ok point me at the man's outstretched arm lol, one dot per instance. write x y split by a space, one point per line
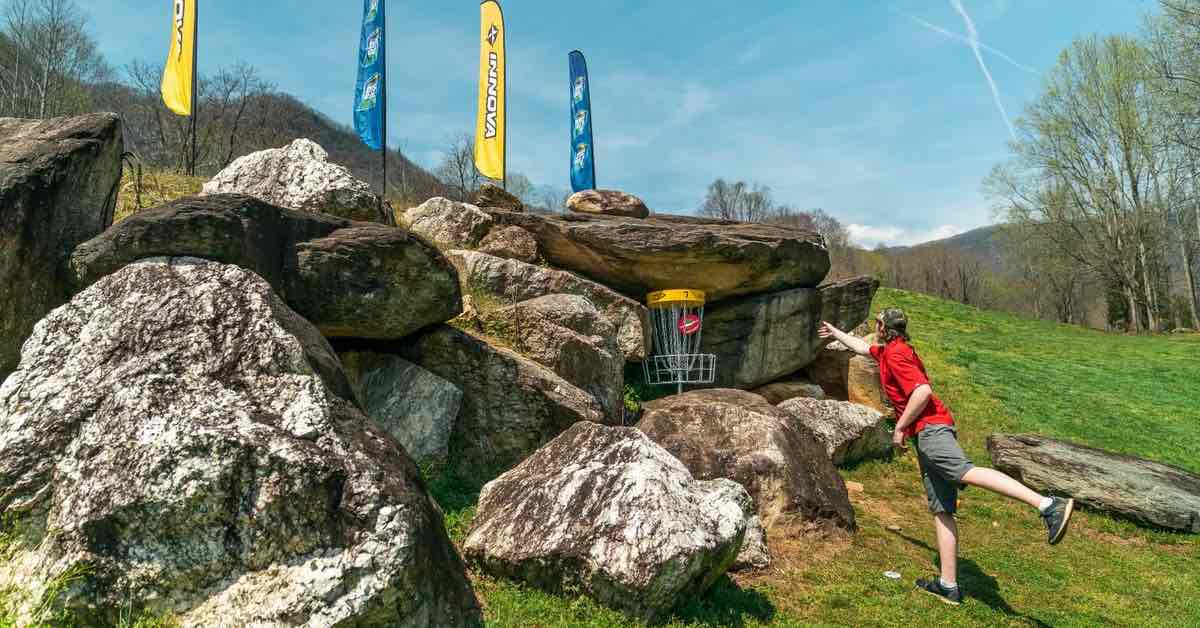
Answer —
856 344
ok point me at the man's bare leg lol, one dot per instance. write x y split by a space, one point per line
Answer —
998 482
947 541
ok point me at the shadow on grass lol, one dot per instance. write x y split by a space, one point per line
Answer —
977 584
727 604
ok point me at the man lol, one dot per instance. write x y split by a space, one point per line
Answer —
944 467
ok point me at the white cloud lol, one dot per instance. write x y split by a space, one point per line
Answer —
869 236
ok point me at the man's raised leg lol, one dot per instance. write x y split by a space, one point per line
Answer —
1001 483
1055 511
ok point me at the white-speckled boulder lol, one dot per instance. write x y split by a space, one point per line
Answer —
177 440
448 224
300 176
605 511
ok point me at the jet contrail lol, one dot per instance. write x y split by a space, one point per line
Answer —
955 36
973 40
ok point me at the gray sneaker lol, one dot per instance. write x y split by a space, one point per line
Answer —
1057 517
933 586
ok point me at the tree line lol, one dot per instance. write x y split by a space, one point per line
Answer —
1102 183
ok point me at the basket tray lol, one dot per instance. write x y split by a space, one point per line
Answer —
687 368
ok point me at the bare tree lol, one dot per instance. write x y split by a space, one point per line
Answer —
51 61
521 187
457 170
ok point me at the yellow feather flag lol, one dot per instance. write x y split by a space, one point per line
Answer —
181 60
490 129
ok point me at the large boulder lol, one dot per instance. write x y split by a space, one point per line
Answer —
178 440
490 195
58 187
494 282
448 224
511 404
780 391
608 203
1148 492
415 406
350 279
723 433
300 177
605 511
510 243
635 257
566 334
849 431
762 338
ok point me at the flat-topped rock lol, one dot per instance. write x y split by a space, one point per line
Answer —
350 279
636 256
58 187
608 203
1148 492
300 176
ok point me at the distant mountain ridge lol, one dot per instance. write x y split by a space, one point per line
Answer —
986 243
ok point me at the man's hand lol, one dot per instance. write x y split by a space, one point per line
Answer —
898 439
857 345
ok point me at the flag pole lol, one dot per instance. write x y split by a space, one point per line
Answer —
195 82
384 87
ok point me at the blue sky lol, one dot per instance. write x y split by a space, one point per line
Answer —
876 111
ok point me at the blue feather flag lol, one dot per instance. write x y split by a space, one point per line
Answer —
369 99
583 149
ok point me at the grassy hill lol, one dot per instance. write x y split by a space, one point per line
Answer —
997 372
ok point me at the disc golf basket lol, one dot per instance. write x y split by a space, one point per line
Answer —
677 321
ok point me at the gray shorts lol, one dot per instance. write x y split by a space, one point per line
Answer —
943 464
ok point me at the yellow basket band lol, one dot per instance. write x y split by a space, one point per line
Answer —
667 298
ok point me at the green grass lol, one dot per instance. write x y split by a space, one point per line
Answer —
1133 394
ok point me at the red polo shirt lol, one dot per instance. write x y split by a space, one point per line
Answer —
901 372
